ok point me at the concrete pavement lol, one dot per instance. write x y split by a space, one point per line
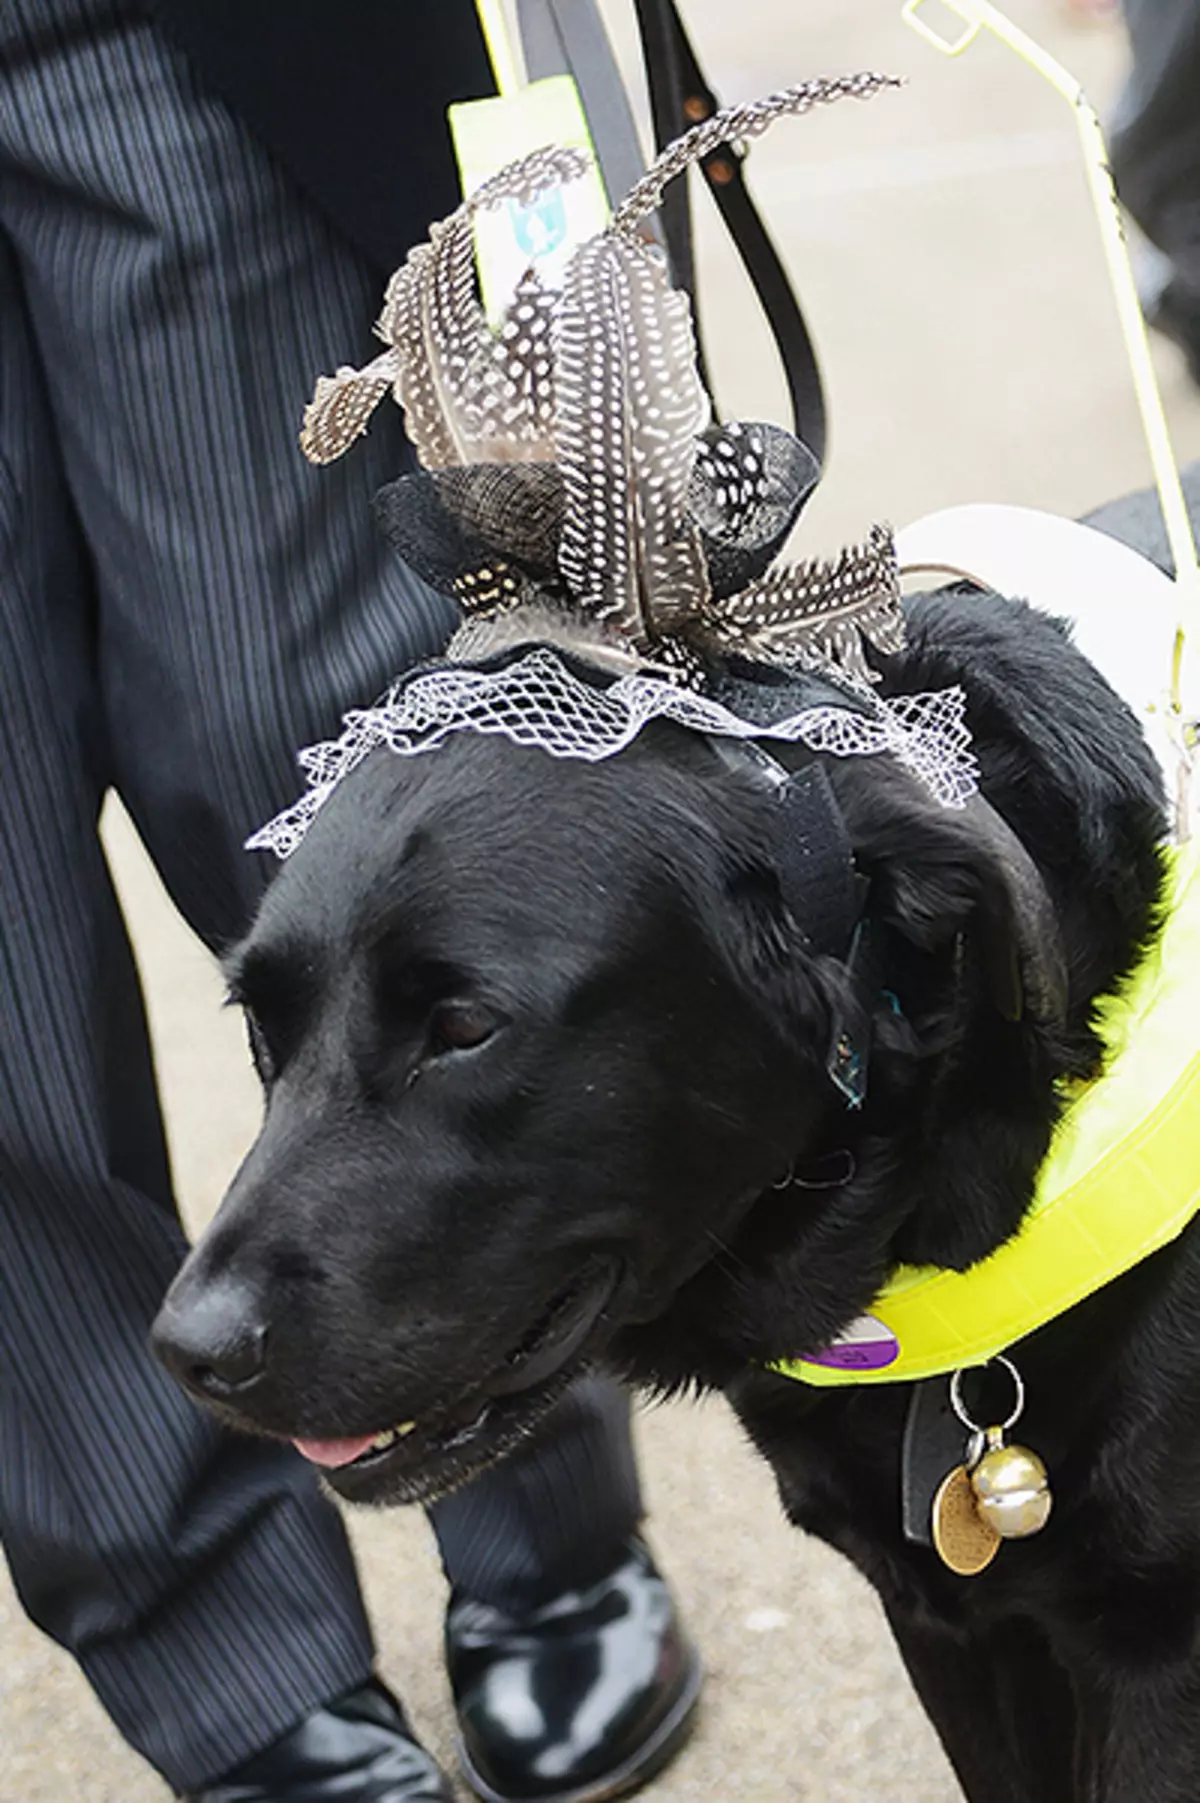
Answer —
943 245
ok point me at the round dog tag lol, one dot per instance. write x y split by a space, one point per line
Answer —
964 1541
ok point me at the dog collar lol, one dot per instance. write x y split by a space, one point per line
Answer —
1121 1180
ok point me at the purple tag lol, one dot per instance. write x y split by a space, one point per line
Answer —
866 1345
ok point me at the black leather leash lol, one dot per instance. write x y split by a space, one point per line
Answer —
681 97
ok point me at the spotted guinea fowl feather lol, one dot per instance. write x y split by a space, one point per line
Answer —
554 165
734 123
819 609
342 405
455 337
729 477
495 391
525 349
597 550
415 389
468 395
629 403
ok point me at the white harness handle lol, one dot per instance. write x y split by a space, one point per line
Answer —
1123 608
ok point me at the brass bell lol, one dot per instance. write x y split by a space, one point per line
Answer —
1012 1490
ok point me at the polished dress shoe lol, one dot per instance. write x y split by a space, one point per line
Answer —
582 1699
358 1749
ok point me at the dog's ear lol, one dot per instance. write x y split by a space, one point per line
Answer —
935 874
977 964
958 1005
938 872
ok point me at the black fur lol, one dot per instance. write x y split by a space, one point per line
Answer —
609 1156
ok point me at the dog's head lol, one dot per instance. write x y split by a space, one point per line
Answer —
537 1037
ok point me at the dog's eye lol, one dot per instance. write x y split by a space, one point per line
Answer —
460 1026
260 1051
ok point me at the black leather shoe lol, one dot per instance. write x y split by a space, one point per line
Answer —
359 1749
581 1700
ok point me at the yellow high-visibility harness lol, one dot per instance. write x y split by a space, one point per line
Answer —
1121 1179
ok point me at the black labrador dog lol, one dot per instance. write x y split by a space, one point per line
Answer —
540 1042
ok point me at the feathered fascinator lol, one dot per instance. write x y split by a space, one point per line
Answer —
576 493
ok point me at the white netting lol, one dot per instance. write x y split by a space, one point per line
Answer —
538 701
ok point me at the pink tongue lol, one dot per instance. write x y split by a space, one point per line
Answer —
332 1453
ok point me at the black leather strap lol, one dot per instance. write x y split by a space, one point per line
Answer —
816 862
934 1440
681 97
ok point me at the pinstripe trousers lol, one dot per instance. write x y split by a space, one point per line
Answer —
182 602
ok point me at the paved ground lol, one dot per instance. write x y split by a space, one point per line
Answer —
942 243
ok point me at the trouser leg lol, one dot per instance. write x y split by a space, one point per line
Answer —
182 295
549 1518
164 1554
1155 134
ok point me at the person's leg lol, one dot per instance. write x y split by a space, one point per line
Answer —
1155 143
514 1537
140 1537
571 1673
183 296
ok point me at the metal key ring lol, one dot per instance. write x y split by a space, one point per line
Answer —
960 1408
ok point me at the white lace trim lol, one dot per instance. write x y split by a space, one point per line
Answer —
538 701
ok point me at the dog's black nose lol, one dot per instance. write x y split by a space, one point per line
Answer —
212 1341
